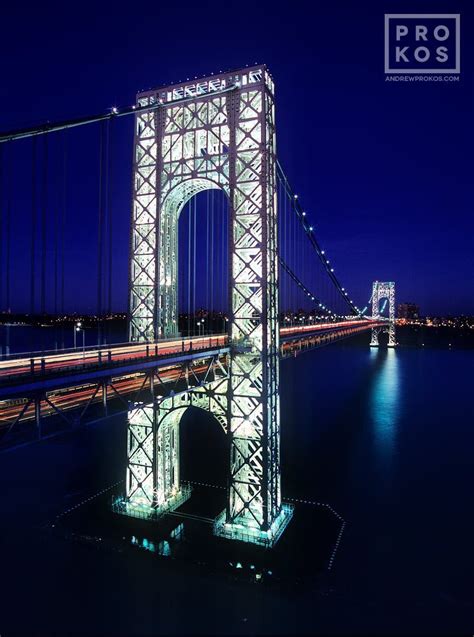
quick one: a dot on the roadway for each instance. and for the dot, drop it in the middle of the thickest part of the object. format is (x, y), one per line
(30, 371)
(29, 364)
(67, 360)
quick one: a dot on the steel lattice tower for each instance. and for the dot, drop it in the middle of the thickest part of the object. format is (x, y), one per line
(216, 132)
(383, 291)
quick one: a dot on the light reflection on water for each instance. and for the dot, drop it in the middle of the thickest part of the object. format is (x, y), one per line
(384, 403)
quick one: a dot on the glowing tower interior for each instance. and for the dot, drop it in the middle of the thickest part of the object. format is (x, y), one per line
(216, 132)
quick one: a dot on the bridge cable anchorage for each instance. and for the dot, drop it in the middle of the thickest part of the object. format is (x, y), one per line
(114, 113)
(308, 231)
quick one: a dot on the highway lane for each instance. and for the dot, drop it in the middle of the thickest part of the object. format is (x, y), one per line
(78, 397)
(39, 362)
(47, 362)
(296, 330)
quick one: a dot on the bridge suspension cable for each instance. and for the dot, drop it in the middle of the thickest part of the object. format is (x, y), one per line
(42, 129)
(325, 293)
(309, 233)
(317, 302)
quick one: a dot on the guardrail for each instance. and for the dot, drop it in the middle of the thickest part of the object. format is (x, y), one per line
(79, 360)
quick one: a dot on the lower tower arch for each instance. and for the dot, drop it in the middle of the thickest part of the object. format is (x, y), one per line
(153, 480)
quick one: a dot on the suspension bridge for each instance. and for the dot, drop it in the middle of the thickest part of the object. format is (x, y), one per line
(214, 224)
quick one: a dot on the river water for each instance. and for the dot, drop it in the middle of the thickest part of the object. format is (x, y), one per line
(384, 436)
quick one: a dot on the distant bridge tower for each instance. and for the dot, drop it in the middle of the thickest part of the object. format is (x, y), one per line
(383, 291)
(216, 132)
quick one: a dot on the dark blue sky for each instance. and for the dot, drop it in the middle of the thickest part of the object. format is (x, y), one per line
(384, 169)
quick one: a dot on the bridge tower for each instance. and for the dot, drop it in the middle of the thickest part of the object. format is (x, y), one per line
(383, 291)
(215, 132)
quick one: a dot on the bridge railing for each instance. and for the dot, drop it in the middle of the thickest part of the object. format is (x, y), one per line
(78, 359)
(298, 342)
(79, 349)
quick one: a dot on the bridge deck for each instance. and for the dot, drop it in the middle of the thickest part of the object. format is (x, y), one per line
(30, 373)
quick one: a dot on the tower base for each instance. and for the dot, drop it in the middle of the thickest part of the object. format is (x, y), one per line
(254, 535)
(123, 506)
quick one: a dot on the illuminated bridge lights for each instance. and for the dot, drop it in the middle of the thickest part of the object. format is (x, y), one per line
(141, 509)
(252, 533)
(383, 291)
(235, 132)
(213, 133)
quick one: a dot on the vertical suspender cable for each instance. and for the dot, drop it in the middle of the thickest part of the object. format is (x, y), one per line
(224, 266)
(9, 231)
(293, 264)
(44, 223)
(8, 245)
(283, 243)
(283, 247)
(105, 243)
(63, 217)
(57, 232)
(110, 213)
(194, 259)
(279, 244)
(33, 226)
(287, 253)
(63, 229)
(189, 268)
(99, 234)
(1, 229)
(211, 309)
(208, 195)
(303, 269)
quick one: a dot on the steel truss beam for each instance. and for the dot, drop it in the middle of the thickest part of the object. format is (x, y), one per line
(156, 382)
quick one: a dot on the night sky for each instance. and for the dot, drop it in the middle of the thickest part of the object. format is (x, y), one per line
(384, 169)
